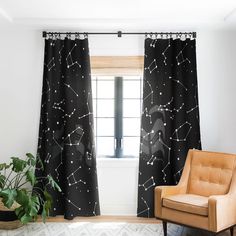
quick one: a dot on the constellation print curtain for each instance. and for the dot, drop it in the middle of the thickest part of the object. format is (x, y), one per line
(66, 139)
(170, 117)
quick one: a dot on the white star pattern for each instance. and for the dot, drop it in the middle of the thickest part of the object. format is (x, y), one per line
(170, 117)
(65, 128)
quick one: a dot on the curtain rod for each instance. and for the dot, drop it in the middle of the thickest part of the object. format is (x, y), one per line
(120, 33)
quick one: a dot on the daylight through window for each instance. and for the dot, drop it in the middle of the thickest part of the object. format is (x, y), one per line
(117, 111)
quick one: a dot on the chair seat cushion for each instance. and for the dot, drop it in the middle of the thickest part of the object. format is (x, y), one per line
(190, 203)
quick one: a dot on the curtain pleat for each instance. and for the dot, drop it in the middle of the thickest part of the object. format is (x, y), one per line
(170, 116)
(66, 138)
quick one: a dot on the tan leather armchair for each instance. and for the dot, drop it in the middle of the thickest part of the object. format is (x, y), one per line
(205, 196)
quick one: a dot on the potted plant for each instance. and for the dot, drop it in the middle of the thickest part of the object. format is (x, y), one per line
(21, 199)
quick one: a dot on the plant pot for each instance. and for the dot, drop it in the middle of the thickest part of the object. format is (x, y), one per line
(8, 218)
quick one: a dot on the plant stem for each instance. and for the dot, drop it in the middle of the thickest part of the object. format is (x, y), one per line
(7, 179)
(38, 188)
(23, 175)
(41, 199)
(12, 180)
(22, 184)
(5, 172)
(41, 177)
(20, 179)
(17, 179)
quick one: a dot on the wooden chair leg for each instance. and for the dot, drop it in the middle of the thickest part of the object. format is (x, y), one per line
(232, 231)
(164, 224)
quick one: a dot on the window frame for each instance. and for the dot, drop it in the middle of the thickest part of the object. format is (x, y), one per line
(118, 116)
(117, 67)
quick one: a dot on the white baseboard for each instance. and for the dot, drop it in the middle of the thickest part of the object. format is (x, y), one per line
(122, 209)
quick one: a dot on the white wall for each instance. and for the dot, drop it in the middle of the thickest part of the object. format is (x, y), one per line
(21, 63)
(118, 185)
(216, 58)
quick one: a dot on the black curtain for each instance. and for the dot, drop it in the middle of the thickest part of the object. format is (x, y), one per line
(170, 118)
(66, 138)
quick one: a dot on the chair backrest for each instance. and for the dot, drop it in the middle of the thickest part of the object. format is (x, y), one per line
(210, 173)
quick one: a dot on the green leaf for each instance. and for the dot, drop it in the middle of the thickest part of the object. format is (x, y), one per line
(19, 211)
(40, 162)
(30, 156)
(18, 164)
(35, 217)
(29, 208)
(48, 197)
(30, 177)
(44, 213)
(8, 197)
(53, 183)
(22, 197)
(33, 206)
(31, 159)
(47, 205)
(25, 218)
(2, 180)
(4, 166)
(31, 162)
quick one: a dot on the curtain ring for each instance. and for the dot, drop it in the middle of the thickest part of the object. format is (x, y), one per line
(161, 35)
(50, 36)
(146, 35)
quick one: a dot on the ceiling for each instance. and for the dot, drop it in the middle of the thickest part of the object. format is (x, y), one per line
(119, 14)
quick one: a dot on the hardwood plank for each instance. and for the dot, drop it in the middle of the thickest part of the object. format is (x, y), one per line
(128, 219)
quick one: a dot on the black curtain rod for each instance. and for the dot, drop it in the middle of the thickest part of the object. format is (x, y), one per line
(120, 33)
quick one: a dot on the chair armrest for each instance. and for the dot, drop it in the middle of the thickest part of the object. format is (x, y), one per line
(221, 211)
(162, 191)
(180, 188)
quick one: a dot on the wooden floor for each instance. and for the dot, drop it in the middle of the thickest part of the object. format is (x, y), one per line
(174, 230)
(127, 219)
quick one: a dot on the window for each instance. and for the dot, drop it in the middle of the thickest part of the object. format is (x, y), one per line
(117, 112)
